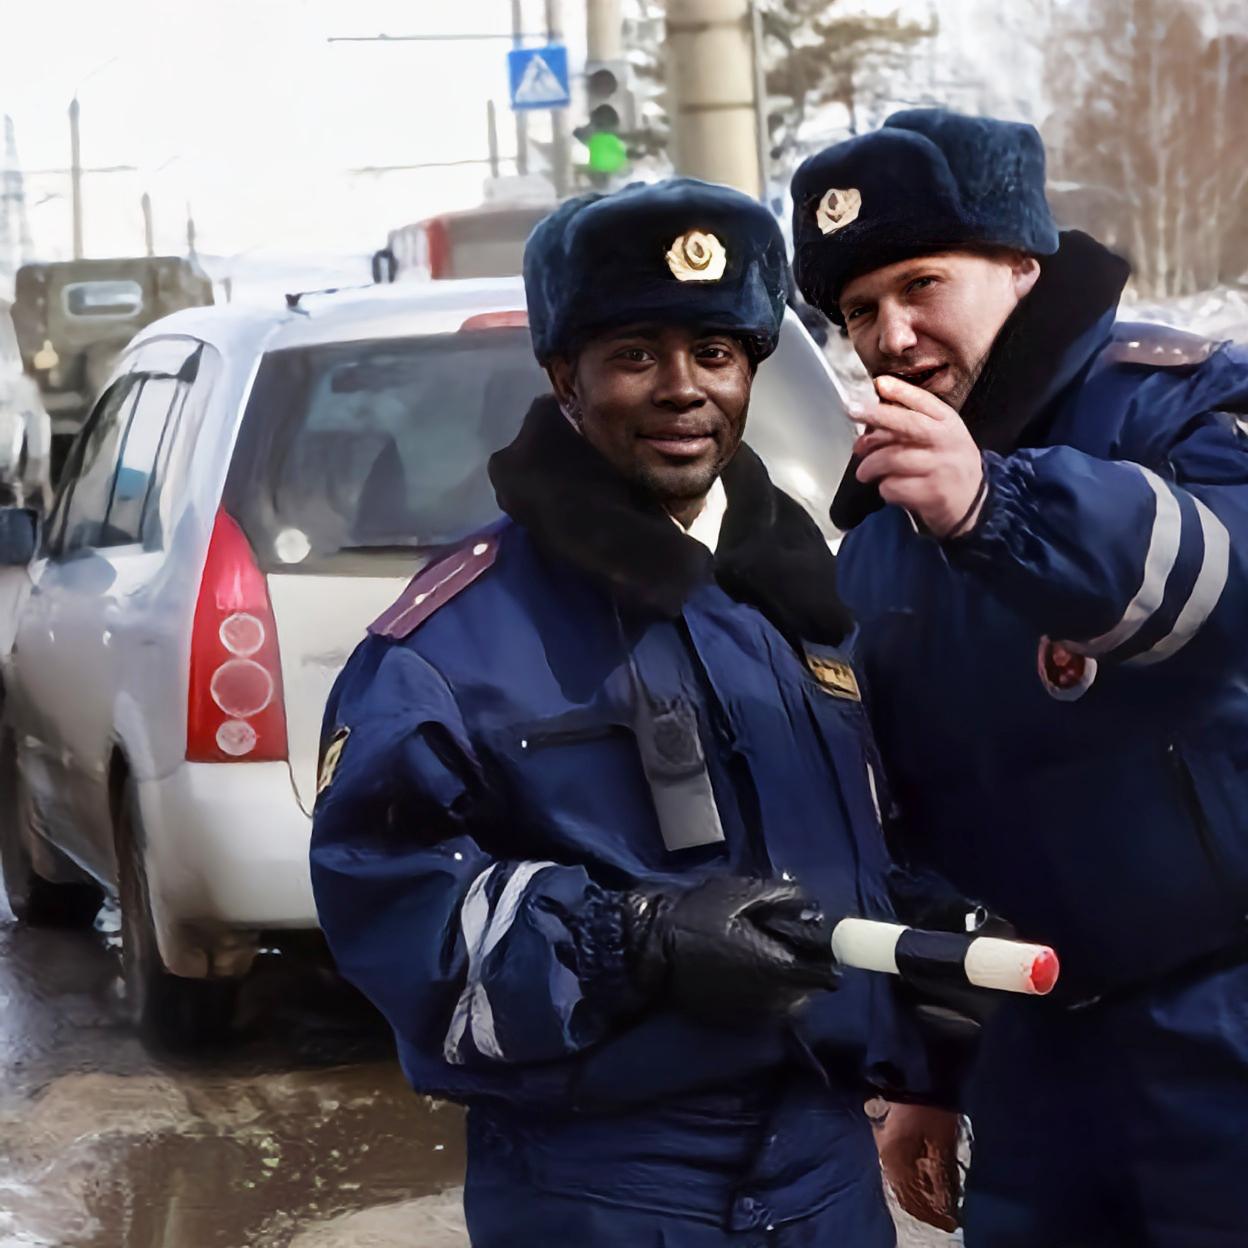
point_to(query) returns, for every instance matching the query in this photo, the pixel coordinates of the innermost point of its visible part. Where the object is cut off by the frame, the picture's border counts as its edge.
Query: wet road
(304, 1136)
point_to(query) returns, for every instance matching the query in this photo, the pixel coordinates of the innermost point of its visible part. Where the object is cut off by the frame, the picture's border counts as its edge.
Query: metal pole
(711, 92)
(75, 176)
(560, 157)
(522, 120)
(491, 127)
(604, 30)
(149, 238)
(760, 100)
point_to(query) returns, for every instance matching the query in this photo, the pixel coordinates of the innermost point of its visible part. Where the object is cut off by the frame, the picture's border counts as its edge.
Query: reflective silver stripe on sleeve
(875, 794)
(481, 1014)
(474, 915)
(1206, 593)
(481, 934)
(1163, 551)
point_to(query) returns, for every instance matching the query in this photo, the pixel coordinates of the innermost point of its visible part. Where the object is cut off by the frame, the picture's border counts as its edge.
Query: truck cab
(73, 318)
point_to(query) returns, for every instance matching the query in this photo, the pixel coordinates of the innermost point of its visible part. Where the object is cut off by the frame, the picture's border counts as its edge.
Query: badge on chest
(834, 675)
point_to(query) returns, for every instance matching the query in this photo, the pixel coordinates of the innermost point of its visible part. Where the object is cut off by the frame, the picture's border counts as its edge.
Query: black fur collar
(1047, 343)
(579, 509)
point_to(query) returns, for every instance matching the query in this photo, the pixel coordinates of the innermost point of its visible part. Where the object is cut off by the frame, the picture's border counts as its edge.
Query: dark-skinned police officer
(1052, 612)
(592, 784)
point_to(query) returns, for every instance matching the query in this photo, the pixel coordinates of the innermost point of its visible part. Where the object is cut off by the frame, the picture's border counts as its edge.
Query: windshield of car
(368, 458)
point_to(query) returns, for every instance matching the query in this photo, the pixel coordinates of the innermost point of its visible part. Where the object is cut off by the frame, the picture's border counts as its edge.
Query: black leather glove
(729, 949)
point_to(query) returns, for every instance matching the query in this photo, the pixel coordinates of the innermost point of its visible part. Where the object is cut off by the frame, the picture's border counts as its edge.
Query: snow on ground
(430, 1221)
(1221, 313)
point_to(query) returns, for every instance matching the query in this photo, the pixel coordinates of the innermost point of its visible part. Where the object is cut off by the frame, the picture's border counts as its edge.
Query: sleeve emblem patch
(329, 763)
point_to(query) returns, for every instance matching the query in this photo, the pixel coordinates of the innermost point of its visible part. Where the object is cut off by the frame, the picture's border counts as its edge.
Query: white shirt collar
(706, 524)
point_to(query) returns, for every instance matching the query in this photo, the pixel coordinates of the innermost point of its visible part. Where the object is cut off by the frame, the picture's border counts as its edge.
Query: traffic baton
(925, 957)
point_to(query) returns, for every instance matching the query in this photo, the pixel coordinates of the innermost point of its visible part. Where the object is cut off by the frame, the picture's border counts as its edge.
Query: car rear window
(354, 456)
(120, 298)
(368, 458)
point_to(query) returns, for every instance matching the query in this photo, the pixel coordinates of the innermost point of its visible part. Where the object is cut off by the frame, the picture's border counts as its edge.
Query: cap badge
(697, 256)
(837, 209)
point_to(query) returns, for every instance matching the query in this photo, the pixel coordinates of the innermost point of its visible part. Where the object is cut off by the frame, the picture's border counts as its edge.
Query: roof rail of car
(294, 298)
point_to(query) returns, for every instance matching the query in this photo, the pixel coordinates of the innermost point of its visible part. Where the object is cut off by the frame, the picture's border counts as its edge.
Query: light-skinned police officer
(1049, 564)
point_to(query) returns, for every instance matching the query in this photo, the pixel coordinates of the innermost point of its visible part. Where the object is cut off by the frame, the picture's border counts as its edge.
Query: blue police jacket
(1061, 696)
(484, 796)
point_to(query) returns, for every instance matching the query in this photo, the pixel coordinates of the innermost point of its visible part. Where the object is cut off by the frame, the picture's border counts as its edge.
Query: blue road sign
(539, 77)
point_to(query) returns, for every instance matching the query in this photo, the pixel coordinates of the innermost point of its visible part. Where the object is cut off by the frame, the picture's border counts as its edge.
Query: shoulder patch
(436, 585)
(1158, 346)
(330, 760)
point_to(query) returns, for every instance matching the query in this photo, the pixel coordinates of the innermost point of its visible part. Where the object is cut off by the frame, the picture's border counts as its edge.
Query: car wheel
(34, 900)
(173, 1013)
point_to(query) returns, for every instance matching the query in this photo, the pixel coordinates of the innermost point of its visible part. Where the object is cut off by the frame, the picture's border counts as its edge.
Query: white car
(250, 490)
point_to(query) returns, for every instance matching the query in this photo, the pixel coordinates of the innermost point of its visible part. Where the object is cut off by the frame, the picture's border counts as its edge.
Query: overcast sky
(242, 109)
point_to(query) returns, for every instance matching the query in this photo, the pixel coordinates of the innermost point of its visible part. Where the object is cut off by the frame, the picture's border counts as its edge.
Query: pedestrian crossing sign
(539, 77)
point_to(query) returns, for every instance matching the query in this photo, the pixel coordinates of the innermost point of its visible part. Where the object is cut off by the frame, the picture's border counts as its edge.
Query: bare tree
(816, 57)
(1147, 144)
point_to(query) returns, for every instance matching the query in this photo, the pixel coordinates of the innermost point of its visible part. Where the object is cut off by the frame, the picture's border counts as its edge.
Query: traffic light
(611, 116)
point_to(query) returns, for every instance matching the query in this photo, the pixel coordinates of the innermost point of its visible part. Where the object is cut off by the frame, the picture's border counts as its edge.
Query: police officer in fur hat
(1048, 559)
(592, 784)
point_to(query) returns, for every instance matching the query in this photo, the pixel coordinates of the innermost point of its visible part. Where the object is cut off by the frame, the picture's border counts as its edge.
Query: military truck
(73, 318)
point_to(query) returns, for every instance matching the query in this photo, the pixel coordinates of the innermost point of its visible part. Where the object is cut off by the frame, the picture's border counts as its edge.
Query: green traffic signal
(607, 153)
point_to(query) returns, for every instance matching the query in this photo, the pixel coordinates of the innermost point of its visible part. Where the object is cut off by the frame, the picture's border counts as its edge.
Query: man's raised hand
(920, 452)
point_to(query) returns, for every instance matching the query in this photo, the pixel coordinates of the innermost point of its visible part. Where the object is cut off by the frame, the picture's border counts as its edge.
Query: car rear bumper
(227, 846)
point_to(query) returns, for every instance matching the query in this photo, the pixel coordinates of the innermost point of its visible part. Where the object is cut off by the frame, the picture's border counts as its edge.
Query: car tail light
(236, 711)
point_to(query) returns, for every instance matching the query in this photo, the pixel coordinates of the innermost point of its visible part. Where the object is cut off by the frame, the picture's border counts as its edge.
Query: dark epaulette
(1158, 346)
(436, 585)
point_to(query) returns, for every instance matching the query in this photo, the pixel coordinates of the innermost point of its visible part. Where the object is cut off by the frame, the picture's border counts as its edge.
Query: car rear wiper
(395, 548)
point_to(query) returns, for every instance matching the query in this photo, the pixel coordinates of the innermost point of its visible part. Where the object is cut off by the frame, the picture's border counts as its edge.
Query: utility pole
(560, 159)
(712, 92)
(149, 234)
(15, 242)
(604, 30)
(491, 130)
(762, 133)
(522, 119)
(75, 176)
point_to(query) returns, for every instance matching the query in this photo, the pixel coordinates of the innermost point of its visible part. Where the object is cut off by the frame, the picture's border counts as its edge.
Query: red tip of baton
(1043, 973)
